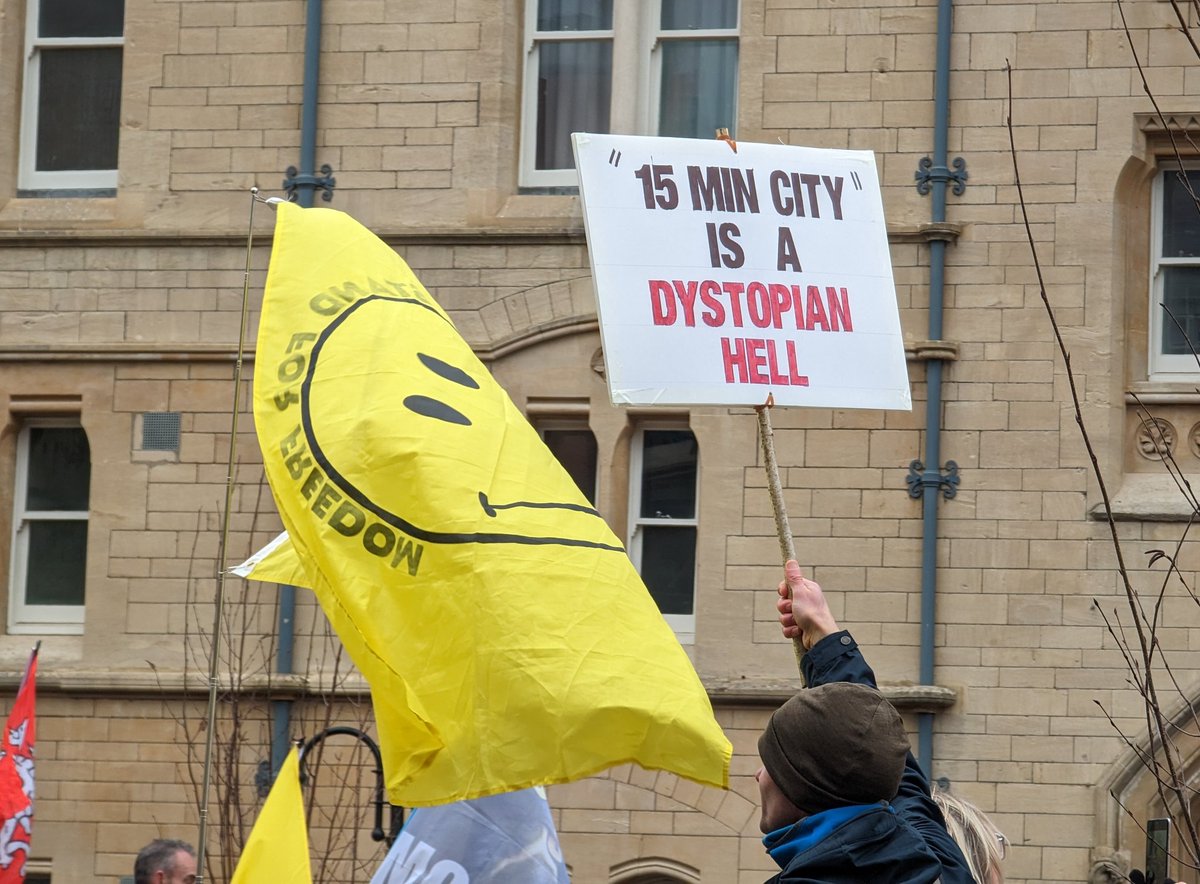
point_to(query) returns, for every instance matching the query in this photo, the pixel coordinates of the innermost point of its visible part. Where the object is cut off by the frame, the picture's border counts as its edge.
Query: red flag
(16, 779)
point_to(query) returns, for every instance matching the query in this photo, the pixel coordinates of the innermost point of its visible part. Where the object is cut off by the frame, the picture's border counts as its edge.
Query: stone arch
(1129, 795)
(534, 335)
(651, 827)
(728, 810)
(653, 870)
(526, 317)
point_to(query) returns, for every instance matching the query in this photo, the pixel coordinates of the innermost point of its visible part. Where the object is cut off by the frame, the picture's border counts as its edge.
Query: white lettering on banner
(412, 865)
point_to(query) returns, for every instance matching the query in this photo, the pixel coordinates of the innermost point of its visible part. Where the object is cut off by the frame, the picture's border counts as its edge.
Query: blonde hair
(981, 842)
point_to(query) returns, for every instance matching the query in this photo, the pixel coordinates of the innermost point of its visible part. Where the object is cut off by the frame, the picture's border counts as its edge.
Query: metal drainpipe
(303, 183)
(281, 710)
(302, 186)
(926, 480)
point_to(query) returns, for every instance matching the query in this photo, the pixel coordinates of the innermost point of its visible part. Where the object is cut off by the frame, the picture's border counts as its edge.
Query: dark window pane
(59, 469)
(79, 108)
(1181, 215)
(576, 451)
(57, 559)
(574, 15)
(669, 566)
(680, 15)
(81, 18)
(1181, 318)
(574, 90)
(699, 88)
(669, 474)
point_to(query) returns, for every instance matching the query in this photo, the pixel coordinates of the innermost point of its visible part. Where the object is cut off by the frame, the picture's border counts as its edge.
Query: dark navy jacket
(899, 842)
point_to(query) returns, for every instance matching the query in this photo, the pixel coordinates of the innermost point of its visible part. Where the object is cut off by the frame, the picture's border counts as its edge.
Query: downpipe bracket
(920, 478)
(325, 182)
(927, 173)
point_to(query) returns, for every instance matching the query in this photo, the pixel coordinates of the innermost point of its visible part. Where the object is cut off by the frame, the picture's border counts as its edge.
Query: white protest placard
(726, 275)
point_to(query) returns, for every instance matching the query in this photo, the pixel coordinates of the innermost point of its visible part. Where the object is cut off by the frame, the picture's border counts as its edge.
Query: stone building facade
(124, 212)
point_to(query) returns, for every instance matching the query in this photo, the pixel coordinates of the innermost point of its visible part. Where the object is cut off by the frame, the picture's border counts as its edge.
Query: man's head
(829, 746)
(165, 861)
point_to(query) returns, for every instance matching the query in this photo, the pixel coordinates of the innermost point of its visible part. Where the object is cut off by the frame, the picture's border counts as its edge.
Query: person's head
(982, 843)
(165, 861)
(830, 746)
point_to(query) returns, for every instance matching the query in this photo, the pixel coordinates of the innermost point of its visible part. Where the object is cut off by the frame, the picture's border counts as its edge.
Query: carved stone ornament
(1155, 438)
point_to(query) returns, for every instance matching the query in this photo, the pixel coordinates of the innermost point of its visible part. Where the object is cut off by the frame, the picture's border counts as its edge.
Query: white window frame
(28, 176)
(1165, 366)
(23, 618)
(531, 176)
(637, 39)
(652, 88)
(683, 624)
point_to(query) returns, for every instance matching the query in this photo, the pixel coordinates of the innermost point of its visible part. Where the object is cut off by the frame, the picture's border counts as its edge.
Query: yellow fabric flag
(277, 849)
(506, 636)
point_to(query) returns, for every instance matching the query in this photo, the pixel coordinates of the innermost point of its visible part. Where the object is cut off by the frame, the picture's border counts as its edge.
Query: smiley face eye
(427, 407)
(448, 371)
(435, 408)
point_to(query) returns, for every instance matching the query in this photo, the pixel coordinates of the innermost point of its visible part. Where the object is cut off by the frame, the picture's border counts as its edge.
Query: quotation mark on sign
(857, 183)
(614, 157)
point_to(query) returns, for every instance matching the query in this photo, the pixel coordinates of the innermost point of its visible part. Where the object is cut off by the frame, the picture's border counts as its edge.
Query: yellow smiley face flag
(506, 636)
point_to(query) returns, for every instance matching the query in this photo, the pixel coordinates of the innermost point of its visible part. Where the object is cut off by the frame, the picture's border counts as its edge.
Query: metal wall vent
(160, 431)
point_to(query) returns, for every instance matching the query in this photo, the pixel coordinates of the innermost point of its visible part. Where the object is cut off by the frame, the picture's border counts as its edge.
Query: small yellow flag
(506, 636)
(277, 849)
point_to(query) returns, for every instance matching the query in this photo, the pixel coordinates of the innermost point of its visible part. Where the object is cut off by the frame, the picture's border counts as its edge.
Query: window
(50, 522)
(659, 67)
(574, 444)
(72, 101)
(662, 521)
(1175, 280)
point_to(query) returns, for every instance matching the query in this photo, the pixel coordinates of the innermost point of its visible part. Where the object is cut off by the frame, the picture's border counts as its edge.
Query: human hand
(803, 611)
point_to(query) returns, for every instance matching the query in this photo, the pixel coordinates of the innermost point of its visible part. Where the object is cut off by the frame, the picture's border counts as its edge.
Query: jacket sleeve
(837, 658)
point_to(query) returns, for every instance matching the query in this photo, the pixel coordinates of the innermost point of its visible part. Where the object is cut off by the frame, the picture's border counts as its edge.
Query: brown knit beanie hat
(835, 745)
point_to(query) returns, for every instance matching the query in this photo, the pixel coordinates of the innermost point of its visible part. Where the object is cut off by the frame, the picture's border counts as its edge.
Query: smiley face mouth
(431, 413)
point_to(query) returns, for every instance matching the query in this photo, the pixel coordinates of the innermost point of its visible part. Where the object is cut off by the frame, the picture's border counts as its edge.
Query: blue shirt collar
(788, 842)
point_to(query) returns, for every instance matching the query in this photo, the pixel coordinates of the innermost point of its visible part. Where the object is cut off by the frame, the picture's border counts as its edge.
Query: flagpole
(222, 549)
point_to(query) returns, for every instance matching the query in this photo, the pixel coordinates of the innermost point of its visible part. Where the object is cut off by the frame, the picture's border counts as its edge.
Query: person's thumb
(791, 571)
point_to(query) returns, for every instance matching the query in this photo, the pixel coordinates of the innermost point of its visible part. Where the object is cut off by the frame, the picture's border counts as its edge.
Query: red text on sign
(757, 361)
(762, 305)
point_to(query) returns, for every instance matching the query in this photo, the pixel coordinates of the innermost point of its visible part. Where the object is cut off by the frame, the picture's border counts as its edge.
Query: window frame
(28, 176)
(1165, 366)
(684, 625)
(24, 618)
(637, 39)
(650, 115)
(529, 175)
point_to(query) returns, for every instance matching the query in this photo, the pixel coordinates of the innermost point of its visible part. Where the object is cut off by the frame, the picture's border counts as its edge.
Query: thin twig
(1162, 758)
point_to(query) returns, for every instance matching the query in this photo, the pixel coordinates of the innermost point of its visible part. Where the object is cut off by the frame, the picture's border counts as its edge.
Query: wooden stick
(787, 547)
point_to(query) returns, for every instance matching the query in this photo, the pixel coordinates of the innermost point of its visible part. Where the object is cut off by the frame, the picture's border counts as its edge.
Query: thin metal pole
(787, 547)
(222, 550)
